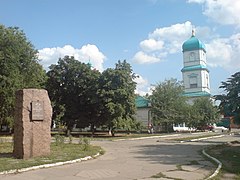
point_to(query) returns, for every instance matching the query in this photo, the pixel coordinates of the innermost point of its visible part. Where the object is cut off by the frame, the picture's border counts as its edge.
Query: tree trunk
(92, 129)
(111, 132)
(68, 132)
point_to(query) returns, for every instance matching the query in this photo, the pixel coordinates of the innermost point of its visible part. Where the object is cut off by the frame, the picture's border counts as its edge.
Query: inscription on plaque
(37, 111)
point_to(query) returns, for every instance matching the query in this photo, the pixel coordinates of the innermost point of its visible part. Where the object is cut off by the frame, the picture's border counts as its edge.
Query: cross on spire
(193, 32)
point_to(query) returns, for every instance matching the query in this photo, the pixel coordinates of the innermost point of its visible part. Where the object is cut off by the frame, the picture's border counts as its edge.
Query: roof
(141, 102)
(193, 44)
(196, 67)
(197, 94)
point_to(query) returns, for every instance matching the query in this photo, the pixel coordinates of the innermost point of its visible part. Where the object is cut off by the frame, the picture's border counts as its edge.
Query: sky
(147, 33)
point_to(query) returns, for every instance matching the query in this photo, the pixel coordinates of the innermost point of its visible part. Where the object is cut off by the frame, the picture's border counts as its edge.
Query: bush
(85, 142)
(59, 140)
(70, 139)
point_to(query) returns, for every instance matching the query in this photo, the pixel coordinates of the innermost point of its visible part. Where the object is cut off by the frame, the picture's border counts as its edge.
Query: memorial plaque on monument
(37, 111)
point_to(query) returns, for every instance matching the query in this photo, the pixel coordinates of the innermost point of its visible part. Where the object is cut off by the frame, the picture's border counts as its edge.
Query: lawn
(59, 153)
(229, 155)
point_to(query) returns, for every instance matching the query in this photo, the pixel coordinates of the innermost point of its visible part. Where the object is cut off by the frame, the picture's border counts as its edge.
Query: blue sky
(147, 33)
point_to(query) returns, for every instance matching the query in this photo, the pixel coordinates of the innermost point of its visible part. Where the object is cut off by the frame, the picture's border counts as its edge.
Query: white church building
(194, 72)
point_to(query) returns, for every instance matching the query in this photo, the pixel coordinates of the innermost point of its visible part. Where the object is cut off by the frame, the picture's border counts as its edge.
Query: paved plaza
(134, 159)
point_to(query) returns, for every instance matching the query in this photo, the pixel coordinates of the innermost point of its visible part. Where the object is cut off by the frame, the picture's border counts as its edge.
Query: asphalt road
(136, 159)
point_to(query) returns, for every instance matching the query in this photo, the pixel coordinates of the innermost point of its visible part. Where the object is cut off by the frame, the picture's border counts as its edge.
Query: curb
(150, 137)
(49, 165)
(217, 161)
(204, 138)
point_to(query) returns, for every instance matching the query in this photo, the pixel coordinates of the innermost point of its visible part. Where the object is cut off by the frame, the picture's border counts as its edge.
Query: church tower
(194, 72)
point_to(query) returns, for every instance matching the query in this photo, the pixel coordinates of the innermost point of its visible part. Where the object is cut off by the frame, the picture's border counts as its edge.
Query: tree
(230, 102)
(19, 68)
(116, 89)
(72, 87)
(204, 112)
(168, 103)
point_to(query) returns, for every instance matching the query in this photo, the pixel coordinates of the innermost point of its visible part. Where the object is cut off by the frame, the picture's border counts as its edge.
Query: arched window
(193, 81)
(207, 80)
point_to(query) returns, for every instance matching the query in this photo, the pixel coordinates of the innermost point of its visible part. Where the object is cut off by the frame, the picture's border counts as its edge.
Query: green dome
(142, 102)
(193, 44)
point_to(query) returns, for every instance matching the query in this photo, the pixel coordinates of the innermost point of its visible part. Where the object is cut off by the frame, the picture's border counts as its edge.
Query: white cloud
(87, 52)
(142, 86)
(196, 1)
(221, 52)
(173, 32)
(224, 12)
(167, 40)
(218, 52)
(151, 45)
(143, 58)
(224, 52)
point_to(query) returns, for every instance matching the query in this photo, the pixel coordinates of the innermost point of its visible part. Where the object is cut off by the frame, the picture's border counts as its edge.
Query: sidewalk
(140, 159)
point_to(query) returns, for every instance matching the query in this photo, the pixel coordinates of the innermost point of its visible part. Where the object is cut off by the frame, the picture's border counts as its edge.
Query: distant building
(143, 113)
(194, 72)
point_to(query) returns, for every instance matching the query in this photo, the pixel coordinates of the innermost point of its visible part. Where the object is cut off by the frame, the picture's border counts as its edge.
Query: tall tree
(230, 102)
(72, 86)
(19, 68)
(205, 111)
(168, 104)
(116, 89)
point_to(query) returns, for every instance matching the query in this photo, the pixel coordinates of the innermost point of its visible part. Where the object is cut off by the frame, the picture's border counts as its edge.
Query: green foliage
(80, 140)
(70, 137)
(168, 104)
(86, 97)
(85, 142)
(19, 68)
(116, 89)
(59, 139)
(204, 112)
(230, 102)
(72, 87)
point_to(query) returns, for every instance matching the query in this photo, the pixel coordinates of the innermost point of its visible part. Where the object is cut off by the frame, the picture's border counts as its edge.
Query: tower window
(193, 82)
(207, 80)
(193, 85)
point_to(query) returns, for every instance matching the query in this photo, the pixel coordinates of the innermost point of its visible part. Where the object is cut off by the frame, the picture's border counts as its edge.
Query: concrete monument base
(32, 123)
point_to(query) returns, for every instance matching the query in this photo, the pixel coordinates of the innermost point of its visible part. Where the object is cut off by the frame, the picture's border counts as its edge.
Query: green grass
(179, 167)
(159, 175)
(228, 155)
(106, 137)
(59, 153)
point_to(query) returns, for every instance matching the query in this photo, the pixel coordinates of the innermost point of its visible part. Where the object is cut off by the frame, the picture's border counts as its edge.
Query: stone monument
(32, 123)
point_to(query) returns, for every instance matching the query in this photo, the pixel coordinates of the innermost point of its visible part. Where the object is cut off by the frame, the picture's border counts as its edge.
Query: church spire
(89, 63)
(193, 32)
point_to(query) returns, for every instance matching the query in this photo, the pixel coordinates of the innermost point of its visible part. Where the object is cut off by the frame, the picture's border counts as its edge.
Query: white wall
(142, 115)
